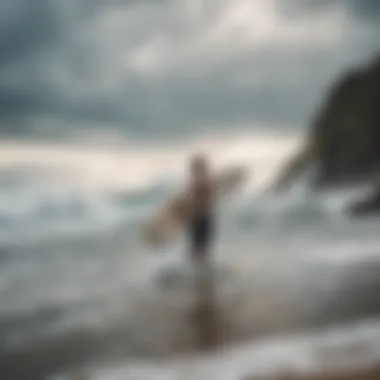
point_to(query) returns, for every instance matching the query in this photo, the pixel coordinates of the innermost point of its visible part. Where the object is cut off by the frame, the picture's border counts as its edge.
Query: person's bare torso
(201, 193)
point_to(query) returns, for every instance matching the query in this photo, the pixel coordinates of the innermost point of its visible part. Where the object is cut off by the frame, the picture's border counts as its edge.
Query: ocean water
(293, 273)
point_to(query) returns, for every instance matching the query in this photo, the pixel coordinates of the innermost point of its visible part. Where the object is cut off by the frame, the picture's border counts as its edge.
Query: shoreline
(336, 353)
(370, 373)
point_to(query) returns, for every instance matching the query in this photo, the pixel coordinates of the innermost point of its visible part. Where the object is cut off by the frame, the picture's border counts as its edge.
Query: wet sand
(205, 320)
(40, 361)
(75, 351)
(371, 373)
(44, 360)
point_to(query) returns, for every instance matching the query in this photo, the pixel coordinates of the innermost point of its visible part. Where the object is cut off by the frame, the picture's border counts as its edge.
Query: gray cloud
(156, 66)
(368, 9)
(26, 26)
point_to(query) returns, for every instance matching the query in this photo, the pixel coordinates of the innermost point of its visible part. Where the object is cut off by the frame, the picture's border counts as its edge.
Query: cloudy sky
(169, 66)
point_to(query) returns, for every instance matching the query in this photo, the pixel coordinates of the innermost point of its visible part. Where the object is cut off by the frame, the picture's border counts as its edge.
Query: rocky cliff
(343, 143)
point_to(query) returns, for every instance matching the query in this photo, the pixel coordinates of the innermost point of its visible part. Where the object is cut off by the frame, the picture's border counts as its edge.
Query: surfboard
(167, 222)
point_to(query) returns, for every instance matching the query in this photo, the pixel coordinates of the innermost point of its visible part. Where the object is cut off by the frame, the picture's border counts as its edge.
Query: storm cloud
(173, 66)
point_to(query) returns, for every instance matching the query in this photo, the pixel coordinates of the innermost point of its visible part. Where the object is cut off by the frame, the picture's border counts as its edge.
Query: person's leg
(205, 312)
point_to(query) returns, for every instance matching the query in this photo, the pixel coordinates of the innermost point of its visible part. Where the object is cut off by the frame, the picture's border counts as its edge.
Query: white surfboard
(168, 221)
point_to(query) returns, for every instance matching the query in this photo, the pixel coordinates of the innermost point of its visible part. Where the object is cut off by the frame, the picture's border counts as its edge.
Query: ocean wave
(72, 254)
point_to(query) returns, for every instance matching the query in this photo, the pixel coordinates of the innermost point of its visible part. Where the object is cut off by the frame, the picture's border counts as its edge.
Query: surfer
(201, 222)
(202, 193)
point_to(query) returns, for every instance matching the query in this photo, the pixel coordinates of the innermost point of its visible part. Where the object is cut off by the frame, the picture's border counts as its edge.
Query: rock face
(367, 206)
(344, 140)
(347, 132)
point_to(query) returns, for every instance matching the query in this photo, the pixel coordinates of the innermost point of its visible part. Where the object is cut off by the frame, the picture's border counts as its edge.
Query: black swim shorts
(201, 230)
